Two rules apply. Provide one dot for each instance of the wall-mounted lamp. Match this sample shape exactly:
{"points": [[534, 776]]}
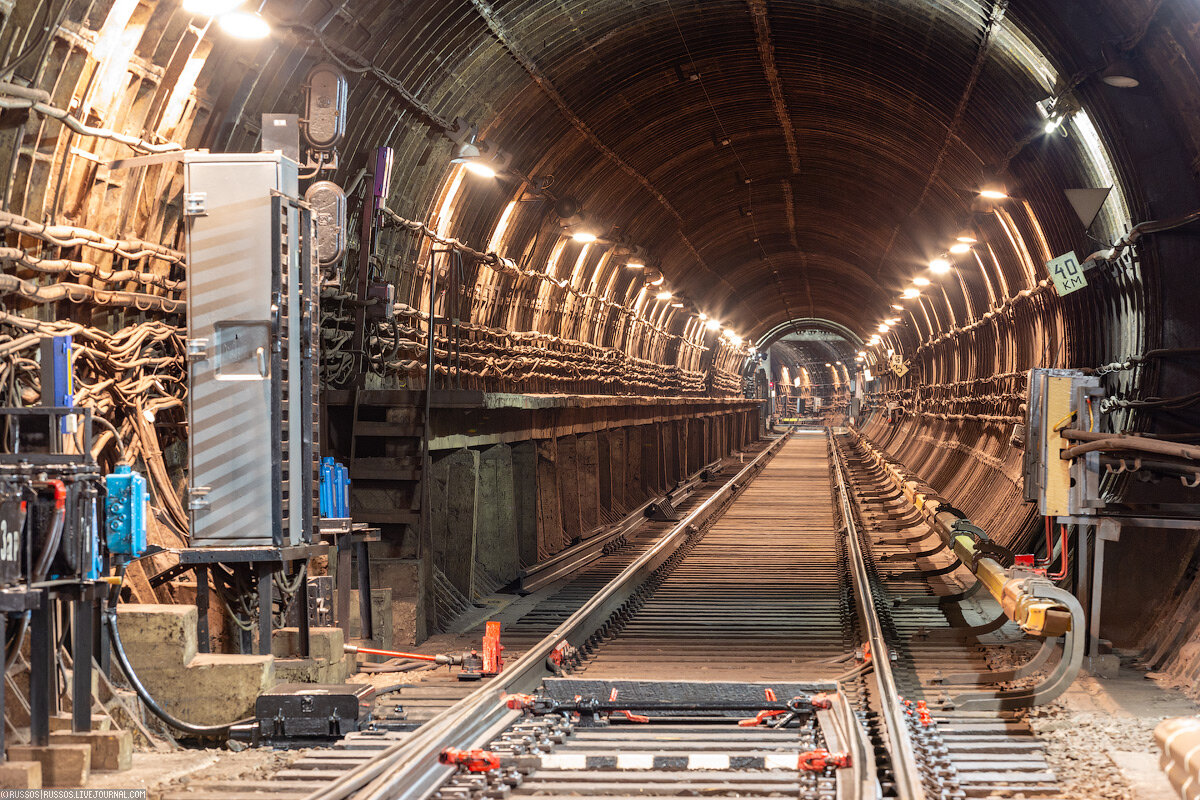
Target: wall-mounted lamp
{"points": [[231, 18], [1118, 72], [479, 157], [247, 25], [993, 189]]}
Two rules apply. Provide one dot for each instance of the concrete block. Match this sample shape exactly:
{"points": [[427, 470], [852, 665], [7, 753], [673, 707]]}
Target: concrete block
{"points": [[324, 644], [66, 765], [62, 722], [21, 775], [112, 751], [214, 688], [383, 614], [157, 636], [298, 670]]}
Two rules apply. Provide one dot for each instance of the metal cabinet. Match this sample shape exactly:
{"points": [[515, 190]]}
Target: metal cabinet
{"points": [[252, 324]]}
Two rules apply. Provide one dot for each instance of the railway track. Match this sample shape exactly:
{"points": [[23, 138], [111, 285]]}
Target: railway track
{"points": [[801, 600]]}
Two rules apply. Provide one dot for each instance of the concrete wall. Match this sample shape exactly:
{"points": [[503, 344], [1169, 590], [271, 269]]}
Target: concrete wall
{"points": [[499, 508]]}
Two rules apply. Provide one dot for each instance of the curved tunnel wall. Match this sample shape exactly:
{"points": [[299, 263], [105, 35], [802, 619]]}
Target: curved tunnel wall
{"points": [[664, 121]]}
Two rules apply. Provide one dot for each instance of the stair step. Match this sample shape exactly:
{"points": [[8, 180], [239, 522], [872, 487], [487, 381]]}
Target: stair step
{"points": [[387, 516], [384, 468], [392, 429]]}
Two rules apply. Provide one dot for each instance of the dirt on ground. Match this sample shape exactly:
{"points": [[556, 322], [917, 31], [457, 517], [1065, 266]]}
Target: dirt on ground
{"points": [[1099, 736]]}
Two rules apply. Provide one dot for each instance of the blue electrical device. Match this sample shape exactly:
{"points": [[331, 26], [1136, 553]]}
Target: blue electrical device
{"points": [[125, 512], [334, 490]]}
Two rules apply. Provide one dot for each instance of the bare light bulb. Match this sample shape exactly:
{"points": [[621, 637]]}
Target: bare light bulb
{"points": [[244, 25], [480, 168]]}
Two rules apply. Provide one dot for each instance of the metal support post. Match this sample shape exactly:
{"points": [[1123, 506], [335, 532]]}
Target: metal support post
{"points": [[301, 603], [81, 667], [264, 608], [3, 682], [202, 637], [364, 590], [343, 584], [43, 693], [1106, 665]]}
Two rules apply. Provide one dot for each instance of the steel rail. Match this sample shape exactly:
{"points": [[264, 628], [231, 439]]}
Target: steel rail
{"points": [[411, 771], [903, 758]]}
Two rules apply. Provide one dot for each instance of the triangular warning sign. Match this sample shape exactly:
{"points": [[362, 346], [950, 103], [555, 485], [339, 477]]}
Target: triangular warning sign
{"points": [[1087, 203]]}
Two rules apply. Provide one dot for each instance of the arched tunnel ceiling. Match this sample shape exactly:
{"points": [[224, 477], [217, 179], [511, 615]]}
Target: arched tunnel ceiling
{"points": [[783, 159]]}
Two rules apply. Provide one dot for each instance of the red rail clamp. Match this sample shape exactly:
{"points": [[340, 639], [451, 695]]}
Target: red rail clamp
{"points": [[820, 760]]}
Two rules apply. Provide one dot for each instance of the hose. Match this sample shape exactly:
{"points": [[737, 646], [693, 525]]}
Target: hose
{"points": [[1125, 441], [110, 616], [50, 547]]}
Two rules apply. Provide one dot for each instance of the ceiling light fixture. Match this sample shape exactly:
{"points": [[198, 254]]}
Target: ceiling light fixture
{"points": [[921, 280], [471, 157], [584, 237], [1118, 72], [247, 25], [994, 190], [883, 327], [967, 236], [909, 294], [958, 248], [713, 325], [939, 266], [677, 304], [635, 265], [663, 295], [897, 306]]}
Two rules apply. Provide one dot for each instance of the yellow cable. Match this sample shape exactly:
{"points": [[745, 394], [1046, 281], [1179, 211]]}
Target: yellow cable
{"points": [[1058, 426]]}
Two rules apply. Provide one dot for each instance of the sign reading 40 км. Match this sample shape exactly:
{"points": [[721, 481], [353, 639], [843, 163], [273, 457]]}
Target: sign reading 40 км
{"points": [[1067, 273]]}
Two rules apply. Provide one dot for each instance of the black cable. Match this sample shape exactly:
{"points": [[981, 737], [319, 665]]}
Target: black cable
{"points": [[46, 33], [110, 616]]}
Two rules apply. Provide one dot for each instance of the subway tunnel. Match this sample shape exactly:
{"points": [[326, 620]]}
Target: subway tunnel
{"points": [[572, 266]]}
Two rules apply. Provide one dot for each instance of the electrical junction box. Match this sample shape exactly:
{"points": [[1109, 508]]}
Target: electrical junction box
{"points": [[252, 338], [125, 512], [309, 712], [1058, 399]]}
